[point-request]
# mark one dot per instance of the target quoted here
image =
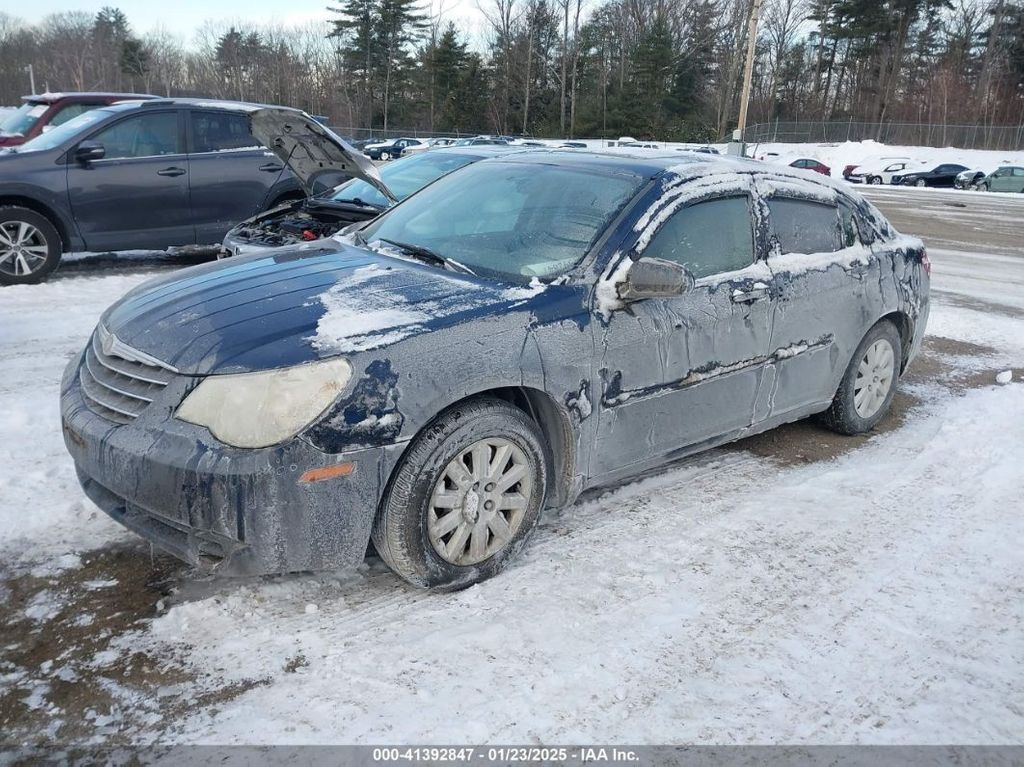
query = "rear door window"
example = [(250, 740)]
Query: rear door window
[(221, 132), (805, 226), (710, 237)]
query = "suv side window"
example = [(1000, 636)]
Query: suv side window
[(804, 226), (142, 135), (708, 237), (220, 132)]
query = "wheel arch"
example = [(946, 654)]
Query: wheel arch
[(905, 327), (556, 427), (42, 209)]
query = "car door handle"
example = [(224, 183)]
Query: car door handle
[(271, 167), (757, 292), (171, 172)]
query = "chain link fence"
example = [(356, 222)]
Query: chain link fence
[(998, 137)]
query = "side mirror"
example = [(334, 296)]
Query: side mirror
[(654, 278), (88, 151)]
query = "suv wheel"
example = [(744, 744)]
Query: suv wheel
[(464, 497), (30, 247)]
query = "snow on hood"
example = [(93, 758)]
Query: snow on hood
[(310, 149)]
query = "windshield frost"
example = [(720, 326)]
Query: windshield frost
[(509, 220)]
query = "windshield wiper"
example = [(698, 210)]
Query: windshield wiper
[(426, 254)]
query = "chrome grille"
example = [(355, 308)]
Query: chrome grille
[(115, 387)]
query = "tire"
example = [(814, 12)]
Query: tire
[(385, 156), (30, 246), (848, 416), (875, 180), (422, 487), (920, 183)]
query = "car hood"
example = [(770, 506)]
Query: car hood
[(310, 149), (289, 306)]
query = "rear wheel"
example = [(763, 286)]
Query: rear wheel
[(465, 496), (866, 391), (30, 247)]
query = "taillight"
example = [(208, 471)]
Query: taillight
[(926, 262)]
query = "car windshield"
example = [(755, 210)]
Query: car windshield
[(21, 120), (403, 177), (510, 220), (69, 130)]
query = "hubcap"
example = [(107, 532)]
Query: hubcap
[(875, 376), (22, 248), (479, 502)]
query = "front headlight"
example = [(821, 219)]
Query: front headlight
[(265, 408)]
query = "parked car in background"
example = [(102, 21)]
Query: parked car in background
[(39, 114), (968, 179), (805, 163), (152, 175), (480, 141), (879, 173), (1008, 178), (572, 145), (943, 175), (523, 329), (390, 149), (325, 214), (430, 143)]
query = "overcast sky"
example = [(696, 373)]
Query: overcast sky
[(188, 15)]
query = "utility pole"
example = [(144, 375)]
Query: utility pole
[(748, 70), (31, 78)]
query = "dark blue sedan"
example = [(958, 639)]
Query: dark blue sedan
[(520, 330)]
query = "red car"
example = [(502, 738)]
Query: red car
[(808, 164), (48, 110)]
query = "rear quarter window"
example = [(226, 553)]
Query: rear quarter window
[(803, 226)]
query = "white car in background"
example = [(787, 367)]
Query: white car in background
[(880, 171), (433, 143)]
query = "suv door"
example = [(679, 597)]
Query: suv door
[(824, 280), (232, 176), (684, 370), (137, 195)]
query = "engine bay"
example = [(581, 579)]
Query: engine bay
[(288, 228)]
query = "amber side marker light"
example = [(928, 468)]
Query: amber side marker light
[(327, 472)]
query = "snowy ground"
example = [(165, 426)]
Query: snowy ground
[(794, 587)]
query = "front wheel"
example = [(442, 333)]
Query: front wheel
[(920, 182), (875, 180), (385, 155), (465, 496), (30, 247), (866, 391)]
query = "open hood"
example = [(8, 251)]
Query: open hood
[(311, 150)]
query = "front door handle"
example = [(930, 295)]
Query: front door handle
[(271, 167), (171, 172), (756, 292)]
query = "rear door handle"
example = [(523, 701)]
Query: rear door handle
[(756, 292), (171, 172), (271, 167)]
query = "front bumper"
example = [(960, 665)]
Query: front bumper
[(223, 509)]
